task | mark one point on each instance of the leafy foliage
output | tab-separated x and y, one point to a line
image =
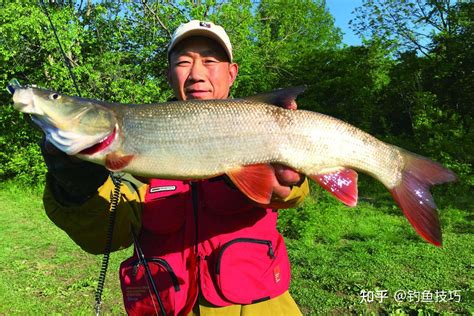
408	25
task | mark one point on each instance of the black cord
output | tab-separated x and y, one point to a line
66	60
117	180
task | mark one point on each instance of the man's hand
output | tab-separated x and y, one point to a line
72	180
285	178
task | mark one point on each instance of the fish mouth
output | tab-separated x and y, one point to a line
23	97
101	145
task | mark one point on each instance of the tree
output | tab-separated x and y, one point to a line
429	100
117	51
347	83
406	24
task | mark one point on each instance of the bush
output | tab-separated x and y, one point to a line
24	164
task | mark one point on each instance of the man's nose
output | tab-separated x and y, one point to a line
197	72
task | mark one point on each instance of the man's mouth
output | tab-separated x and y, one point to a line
197	93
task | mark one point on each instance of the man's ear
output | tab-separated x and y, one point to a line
233	71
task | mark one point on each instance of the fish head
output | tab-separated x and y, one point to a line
72	124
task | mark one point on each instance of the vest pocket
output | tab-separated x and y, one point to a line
249	270
137	292
164	215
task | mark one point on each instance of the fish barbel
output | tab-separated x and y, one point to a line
199	139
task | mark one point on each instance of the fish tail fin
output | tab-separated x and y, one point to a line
414	198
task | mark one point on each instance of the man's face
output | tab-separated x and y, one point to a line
199	69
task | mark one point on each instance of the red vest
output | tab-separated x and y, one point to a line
204	236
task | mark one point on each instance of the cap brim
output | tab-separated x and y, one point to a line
203	33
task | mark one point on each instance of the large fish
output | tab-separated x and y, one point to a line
200	139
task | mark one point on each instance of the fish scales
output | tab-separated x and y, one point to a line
195	140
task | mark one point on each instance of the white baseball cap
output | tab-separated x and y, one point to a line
201	28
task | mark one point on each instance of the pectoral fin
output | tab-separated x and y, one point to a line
255	181
116	161
342	184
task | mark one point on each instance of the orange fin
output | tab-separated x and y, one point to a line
414	198
255	181
342	184
116	162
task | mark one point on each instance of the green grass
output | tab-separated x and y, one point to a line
336	252
42	272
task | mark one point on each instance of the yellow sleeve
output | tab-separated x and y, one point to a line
87	224
295	198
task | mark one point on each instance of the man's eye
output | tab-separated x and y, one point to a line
182	63
211	61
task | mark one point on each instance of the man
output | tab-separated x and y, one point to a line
209	249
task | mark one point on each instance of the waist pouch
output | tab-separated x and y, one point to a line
249	270
138	295
242	271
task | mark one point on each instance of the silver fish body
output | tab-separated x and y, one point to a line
200	139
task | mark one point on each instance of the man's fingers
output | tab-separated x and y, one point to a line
292	105
281	191
286	176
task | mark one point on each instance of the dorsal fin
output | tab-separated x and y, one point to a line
281	97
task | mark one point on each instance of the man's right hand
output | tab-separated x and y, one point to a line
71	180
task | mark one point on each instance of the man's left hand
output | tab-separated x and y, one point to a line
283	181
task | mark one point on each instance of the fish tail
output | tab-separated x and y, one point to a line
414	198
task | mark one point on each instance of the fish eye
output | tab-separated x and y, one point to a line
54	96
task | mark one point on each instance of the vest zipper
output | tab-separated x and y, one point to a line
271	253
194	196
